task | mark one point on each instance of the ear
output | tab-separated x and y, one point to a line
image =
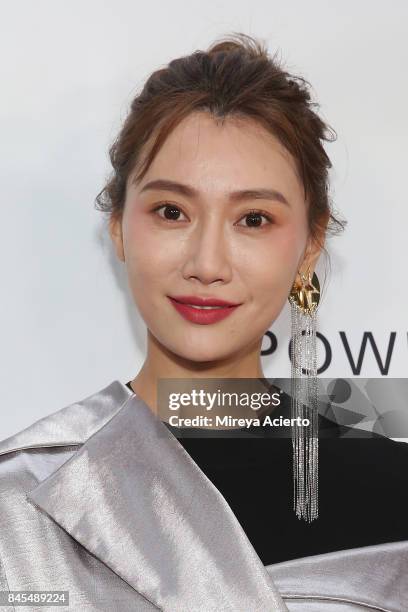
312	254
315	245
115	231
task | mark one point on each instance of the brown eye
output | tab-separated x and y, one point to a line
254	219
171	212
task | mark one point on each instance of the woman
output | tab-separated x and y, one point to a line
219	192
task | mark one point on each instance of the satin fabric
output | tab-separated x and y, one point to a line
100	499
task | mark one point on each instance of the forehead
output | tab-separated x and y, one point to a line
214	151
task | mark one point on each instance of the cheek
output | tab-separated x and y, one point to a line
272	267
150	261
142	245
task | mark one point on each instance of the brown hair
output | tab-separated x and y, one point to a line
235	76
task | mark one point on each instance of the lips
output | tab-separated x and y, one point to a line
212	309
201	300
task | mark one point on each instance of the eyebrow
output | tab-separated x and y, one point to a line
234	196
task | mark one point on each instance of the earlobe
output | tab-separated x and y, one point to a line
115	231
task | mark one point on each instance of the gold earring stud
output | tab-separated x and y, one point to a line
305	292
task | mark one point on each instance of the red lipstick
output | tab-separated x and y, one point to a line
188	307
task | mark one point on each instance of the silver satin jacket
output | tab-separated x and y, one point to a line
101	500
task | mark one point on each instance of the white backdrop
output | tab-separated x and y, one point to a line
68	72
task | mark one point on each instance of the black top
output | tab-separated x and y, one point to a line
363	484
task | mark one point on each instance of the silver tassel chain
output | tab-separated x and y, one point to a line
304	404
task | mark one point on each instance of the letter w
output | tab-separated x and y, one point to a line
356	369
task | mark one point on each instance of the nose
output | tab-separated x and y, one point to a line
208	254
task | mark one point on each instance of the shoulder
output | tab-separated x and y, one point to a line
376	452
55	434
367	477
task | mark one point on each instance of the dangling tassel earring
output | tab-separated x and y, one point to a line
304	299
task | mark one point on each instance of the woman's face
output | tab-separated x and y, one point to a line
199	237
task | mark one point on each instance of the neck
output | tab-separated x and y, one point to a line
162	363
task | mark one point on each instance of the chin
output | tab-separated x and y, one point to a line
198	354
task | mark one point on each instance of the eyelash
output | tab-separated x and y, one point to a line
253	211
